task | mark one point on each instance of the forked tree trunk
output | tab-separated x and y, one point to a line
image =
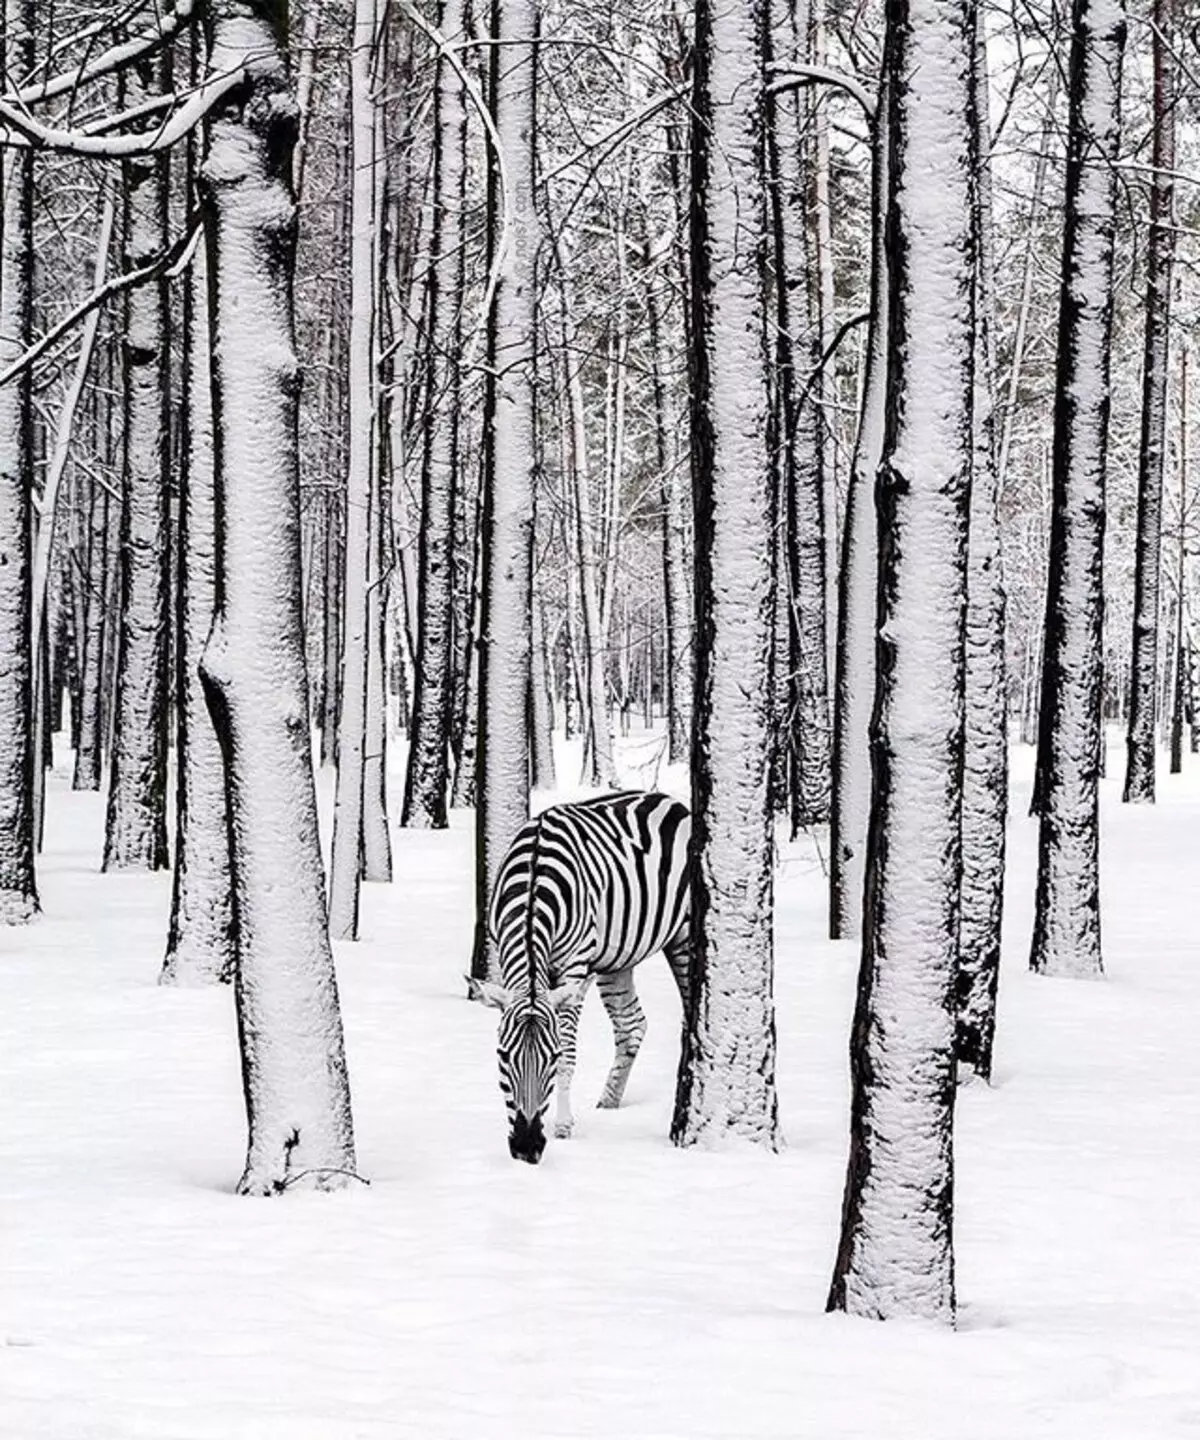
200	938
505	640
726	1083
18	886
345	870
896	1256
1066	933
135	836
293	1064
858	581
1160	251
985	756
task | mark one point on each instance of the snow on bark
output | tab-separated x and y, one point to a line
293	1065
726	1086
345	869
1160	250
854	694
677	676
429	748
1066	933
18	887
896	1253
505	631
985	751
200	939
135	836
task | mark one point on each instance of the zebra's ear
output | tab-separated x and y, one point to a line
569	994
487	992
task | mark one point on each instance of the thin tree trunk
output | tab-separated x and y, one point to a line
345	868
135	835
541	715
726	1084
896	1255
985	756
429	750
1066	934
200	937
18	882
502	783
858	582
1141	739
293	1063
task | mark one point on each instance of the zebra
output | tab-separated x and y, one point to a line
587	889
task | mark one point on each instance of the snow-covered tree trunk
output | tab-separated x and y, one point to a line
1160	253
505	631
345	869
200	939
854	694
376	832
18	886
93	580
541	716
985	753
726	1085
599	766
896	1256
677	659
293	1065
135	836
1066	931
429	743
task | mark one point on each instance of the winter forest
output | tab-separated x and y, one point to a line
495	493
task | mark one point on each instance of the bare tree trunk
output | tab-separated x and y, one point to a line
541	717
18	883
293	1063
726	1085
345	870
200	937
985	755
1066	934
136	824
858	585
502	784
429	750
1160	252
896	1255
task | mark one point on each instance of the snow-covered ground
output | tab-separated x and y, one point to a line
622	1289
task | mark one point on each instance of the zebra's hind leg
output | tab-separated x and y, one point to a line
568	1028
629	1029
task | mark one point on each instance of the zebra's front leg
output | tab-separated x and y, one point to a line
568	1028
629	1030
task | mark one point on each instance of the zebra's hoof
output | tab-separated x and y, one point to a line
608	1102
563	1129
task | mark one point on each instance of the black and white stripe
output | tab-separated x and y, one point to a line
586	890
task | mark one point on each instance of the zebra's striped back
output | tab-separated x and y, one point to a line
591	886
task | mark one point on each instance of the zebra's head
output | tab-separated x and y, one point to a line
528	1049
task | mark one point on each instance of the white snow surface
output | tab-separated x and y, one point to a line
623	1288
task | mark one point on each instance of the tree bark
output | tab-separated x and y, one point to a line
726	1084
18	883
200	937
345	869
1160	254
505	639
429	748
293	1064
136	824
896	1256
985	757
858	585
1066	933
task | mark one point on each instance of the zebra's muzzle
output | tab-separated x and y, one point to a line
526	1139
